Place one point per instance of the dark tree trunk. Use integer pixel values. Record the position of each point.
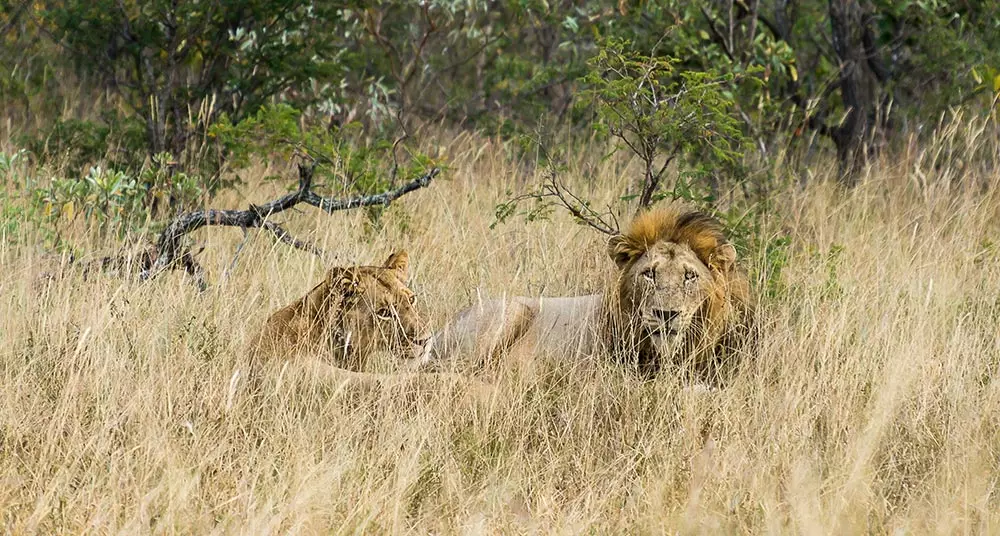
(860, 90)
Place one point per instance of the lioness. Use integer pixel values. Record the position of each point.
(679, 297)
(354, 312)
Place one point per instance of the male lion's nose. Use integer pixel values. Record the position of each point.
(664, 315)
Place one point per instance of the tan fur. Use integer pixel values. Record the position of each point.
(352, 313)
(679, 292)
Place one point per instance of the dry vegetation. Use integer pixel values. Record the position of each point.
(873, 406)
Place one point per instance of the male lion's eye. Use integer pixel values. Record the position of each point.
(690, 275)
(384, 313)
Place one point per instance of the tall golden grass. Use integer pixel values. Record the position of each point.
(873, 405)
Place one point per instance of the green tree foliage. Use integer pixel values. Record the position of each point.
(177, 64)
(845, 74)
(662, 113)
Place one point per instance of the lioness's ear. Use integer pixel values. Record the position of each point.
(400, 262)
(621, 251)
(722, 258)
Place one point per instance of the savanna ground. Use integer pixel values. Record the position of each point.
(872, 405)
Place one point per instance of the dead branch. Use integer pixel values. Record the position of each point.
(552, 192)
(579, 208)
(281, 234)
(171, 254)
(134, 260)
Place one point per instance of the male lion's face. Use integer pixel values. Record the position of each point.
(377, 311)
(663, 288)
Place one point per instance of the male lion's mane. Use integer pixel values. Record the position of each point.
(720, 322)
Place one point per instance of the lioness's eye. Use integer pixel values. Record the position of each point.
(413, 299)
(649, 274)
(384, 313)
(690, 275)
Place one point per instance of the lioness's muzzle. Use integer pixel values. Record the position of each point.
(421, 348)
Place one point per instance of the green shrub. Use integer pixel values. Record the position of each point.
(117, 201)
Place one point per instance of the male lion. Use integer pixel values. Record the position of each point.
(354, 312)
(680, 298)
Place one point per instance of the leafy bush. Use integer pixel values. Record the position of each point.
(662, 115)
(115, 200)
(17, 216)
(11, 165)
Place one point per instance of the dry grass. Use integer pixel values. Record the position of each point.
(873, 406)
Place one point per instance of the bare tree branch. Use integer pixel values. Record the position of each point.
(385, 198)
(170, 252)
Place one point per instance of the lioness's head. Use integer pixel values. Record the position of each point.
(673, 268)
(376, 310)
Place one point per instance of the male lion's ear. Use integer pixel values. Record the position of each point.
(722, 258)
(400, 262)
(621, 251)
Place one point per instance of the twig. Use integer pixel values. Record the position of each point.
(236, 254)
(395, 145)
(718, 35)
(579, 208)
(283, 236)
